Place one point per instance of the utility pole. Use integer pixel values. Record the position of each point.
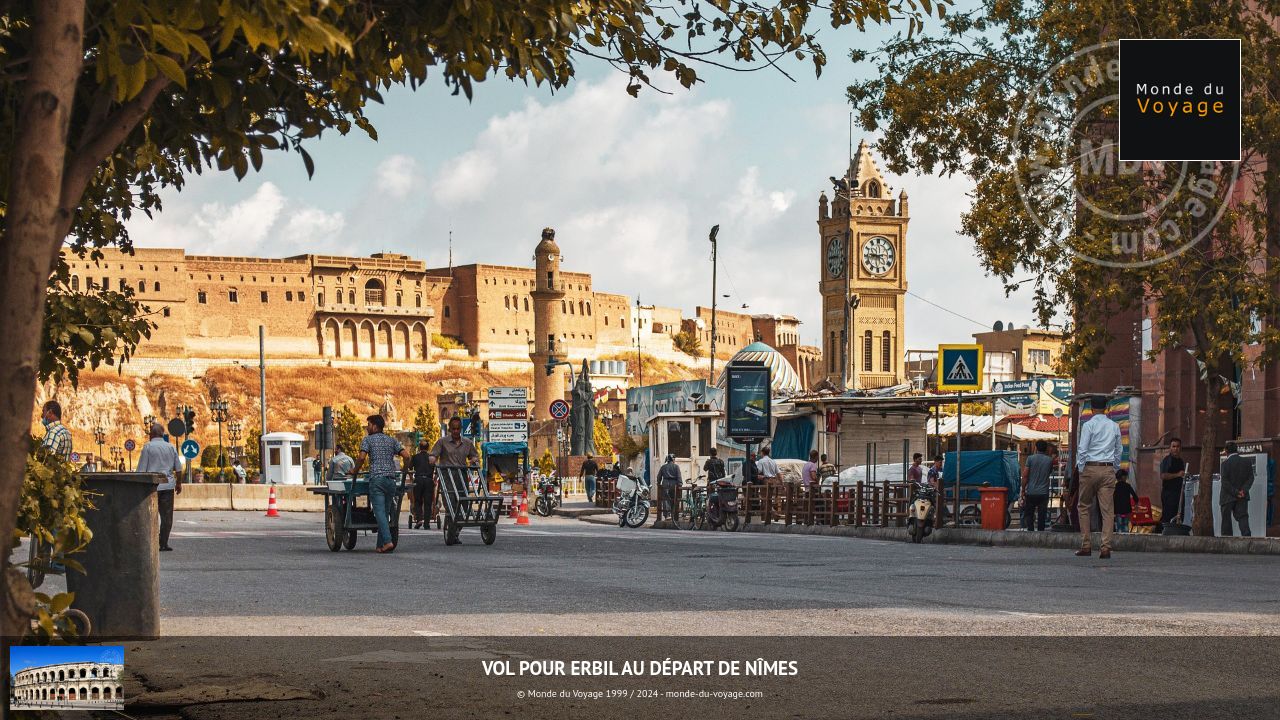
(635, 325)
(262, 401)
(715, 230)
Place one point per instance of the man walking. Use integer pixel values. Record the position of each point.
(713, 467)
(589, 472)
(424, 487)
(381, 451)
(1097, 460)
(1233, 495)
(454, 449)
(669, 480)
(1035, 488)
(57, 438)
(340, 465)
(1173, 471)
(158, 456)
(768, 467)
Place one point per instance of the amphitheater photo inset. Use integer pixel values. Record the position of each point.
(66, 678)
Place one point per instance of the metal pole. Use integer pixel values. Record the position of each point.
(993, 423)
(262, 402)
(713, 304)
(959, 434)
(636, 327)
(844, 333)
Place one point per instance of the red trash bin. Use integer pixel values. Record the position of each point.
(993, 505)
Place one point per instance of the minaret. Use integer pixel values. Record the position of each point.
(547, 295)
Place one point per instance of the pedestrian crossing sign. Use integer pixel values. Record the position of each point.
(960, 367)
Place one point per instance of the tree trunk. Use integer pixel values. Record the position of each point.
(1202, 524)
(30, 243)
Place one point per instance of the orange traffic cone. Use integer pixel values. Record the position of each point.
(514, 512)
(271, 503)
(524, 510)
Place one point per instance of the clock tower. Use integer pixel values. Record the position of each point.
(863, 233)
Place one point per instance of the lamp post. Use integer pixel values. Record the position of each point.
(117, 456)
(147, 422)
(715, 230)
(100, 435)
(219, 410)
(635, 325)
(234, 433)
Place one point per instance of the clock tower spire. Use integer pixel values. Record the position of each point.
(863, 233)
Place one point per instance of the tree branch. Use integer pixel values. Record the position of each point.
(94, 149)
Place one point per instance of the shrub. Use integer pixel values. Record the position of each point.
(446, 342)
(688, 343)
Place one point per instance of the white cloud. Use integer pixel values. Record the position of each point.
(396, 176)
(263, 223)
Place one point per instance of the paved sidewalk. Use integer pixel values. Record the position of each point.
(579, 508)
(1121, 542)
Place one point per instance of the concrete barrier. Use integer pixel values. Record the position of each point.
(226, 496)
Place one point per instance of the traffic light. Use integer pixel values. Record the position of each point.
(476, 427)
(189, 418)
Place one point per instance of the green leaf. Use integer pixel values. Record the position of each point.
(307, 161)
(171, 69)
(172, 40)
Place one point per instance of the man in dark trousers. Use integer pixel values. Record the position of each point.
(424, 486)
(1237, 479)
(669, 480)
(713, 467)
(1173, 470)
(590, 469)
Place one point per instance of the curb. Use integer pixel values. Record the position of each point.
(581, 513)
(1121, 542)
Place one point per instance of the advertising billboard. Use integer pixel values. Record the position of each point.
(748, 407)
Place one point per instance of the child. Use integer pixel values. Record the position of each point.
(1125, 499)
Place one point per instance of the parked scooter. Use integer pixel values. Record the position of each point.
(632, 505)
(920, 516)
(548, 496)
(722, 505)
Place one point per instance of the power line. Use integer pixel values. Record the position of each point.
(944, 309)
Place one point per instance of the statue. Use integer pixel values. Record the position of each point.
(582, 416)
(388, 410)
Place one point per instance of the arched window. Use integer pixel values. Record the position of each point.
(155, 286)
(320, 298)
(564, 307)
(588, 309)
(831, 353)
(526, 304)
(571, 308)
(417, 300)
(873, 189)
(866, 351)
(506, 302)
(398, 298)
(373, 292)
(142, 286)
(351, 297)
(75, 283)
(886, 353)
(446, 311)
(580, 308)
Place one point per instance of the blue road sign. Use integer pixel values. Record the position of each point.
(130, 445)
(960, 367)
(190, 449)
(559, 409)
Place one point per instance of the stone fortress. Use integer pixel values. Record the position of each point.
(390, 310)
(68, 684)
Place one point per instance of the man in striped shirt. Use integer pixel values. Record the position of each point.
(381, 450)
(57, 437)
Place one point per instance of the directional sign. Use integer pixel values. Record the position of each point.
(560, 435)
(509, 426)
(559, 409)
(517, 403)
(960, 367)
(190, 449)
(130, 445)
(503, 414)
(509, 392)
(511, 437)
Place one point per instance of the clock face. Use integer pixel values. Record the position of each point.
(877, 255)
(835, 257)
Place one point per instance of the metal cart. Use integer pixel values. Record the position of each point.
(467, 503)
(345, 516)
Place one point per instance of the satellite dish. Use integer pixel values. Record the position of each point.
(1057, 412)
(998, 326)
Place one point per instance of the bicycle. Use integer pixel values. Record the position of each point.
(693, 507)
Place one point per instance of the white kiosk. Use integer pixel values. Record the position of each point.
(284, 458)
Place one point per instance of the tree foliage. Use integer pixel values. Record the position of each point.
(348, 430)
(971, 99)
(603, 442)
(546, 463)
(88, 329)
(687, 342)
(425, 422)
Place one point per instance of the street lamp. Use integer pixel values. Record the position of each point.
(100, 435)
(117, 455)
(219, 410)
(234, 434)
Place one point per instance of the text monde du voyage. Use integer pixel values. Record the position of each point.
(1177, 100)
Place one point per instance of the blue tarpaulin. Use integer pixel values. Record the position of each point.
(504, 448)
(792, 439)
(997, 468)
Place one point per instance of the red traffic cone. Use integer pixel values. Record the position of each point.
(524, 510)
(514, 512)
(271, 503)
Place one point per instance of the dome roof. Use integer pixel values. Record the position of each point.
(783, 377)
(548, 242)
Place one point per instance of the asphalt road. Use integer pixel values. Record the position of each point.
(240, 574)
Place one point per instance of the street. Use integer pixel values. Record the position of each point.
(240, 574)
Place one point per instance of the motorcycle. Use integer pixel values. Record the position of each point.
(921, 514)
(548, 496)
(632, 505)
(722, 505)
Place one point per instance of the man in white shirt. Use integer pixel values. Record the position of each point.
(1098, 451)
(158, 456)
(767, 467)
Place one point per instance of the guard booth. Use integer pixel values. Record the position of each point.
(687, 435)
(284, 458)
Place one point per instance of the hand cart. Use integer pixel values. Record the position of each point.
(345, 516)
(467, 503)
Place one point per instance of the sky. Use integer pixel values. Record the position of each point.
(22, 657)
(632, 187)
